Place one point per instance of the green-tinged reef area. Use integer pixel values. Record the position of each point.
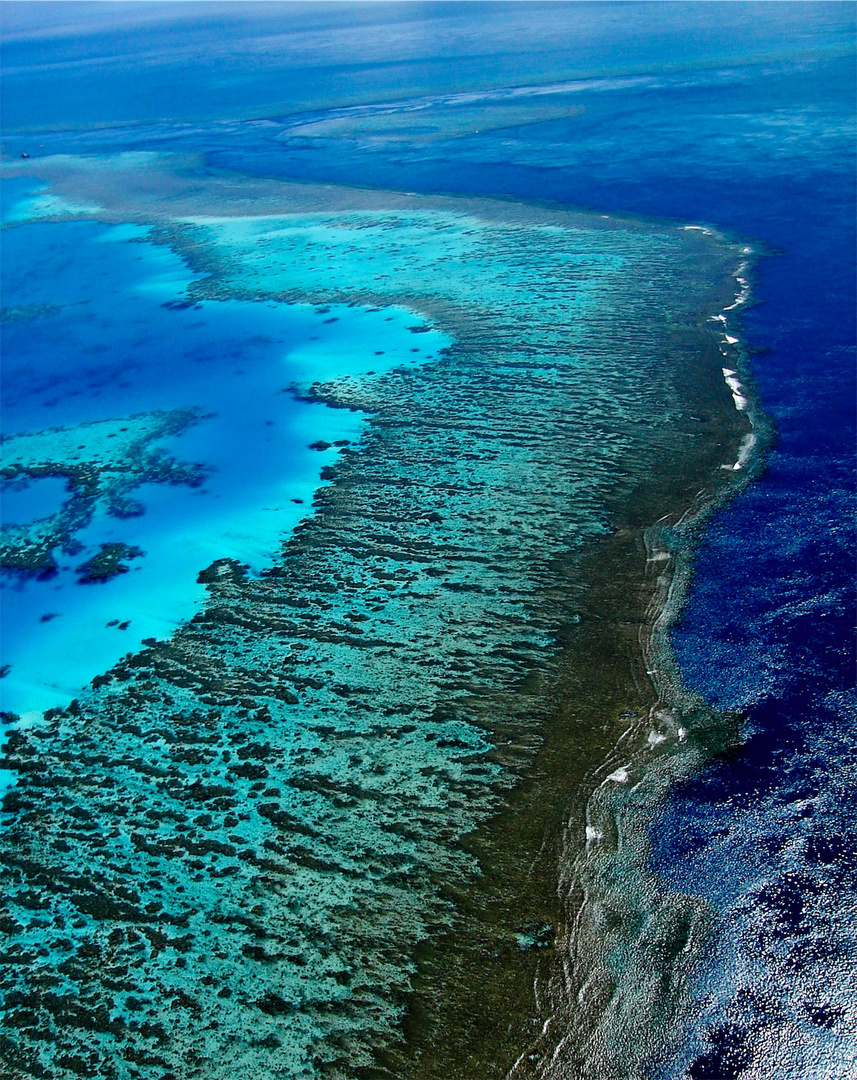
(381, 811)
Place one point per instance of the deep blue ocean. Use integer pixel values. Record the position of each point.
(740, 116)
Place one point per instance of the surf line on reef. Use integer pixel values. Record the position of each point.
(604, 937)
(626, 937)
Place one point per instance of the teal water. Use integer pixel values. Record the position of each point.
(39, 499)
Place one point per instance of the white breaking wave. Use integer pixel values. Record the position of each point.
(745, 451)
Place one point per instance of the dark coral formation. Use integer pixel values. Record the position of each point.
(108, 561)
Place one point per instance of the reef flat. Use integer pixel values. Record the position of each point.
(242, 849)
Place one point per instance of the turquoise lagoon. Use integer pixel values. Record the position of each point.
(98, 328)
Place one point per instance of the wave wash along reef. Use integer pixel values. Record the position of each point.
(388, 794)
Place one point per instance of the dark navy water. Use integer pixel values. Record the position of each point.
(741, 116)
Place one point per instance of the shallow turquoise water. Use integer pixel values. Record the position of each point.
(107, 347)
(39, 499)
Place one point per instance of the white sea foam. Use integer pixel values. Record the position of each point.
(744, 293)
(745, 451)
(730, 376)
(656, 737)
(733, 382)
(731, 340)
(620, 776)
(593, 835)
(740, 299)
